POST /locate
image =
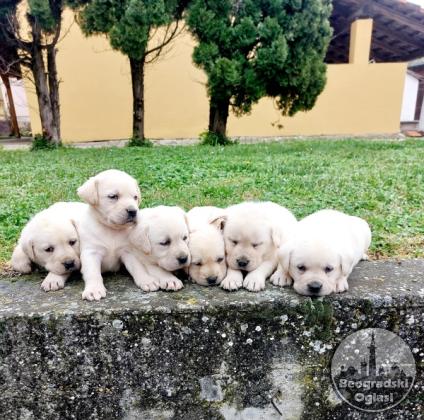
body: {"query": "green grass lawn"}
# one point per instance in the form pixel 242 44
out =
pixel 381 181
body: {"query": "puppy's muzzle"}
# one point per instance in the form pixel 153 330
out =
pixel 243 262
pixel 314 287
pixel 212 280
pixel 182 259
pixel 131 214
pixel 69 265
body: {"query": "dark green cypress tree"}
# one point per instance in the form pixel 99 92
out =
pixel 255 48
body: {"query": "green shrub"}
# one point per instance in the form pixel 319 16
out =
pixel 42 143
pixel 208 138
pixel 138 142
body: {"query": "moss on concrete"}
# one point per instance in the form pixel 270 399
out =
pixel 201 353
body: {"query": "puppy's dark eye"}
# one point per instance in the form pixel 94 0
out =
pixel 165 243
pixel 136 198
pixel 234 242
pixel 220 259
pixel 113 196
pixel 199 263
pixel 185 238
pixel 72 242
pixel 328 269
pixel 49 249
pixel 256 245
pixel 301 267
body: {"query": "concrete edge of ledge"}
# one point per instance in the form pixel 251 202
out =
pixel 378 283
pixel 25 145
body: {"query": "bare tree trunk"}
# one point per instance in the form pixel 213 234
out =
pixel 13 119
pixel 54 91
pixel 42 91
pixel 137 77
pixel 38 68
pixel 218 116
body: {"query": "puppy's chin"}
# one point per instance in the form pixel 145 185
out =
pixel 120 223
pixel 170 267
pixel 199 282
pixel 60 272
pixel 204 282
pixel 305 292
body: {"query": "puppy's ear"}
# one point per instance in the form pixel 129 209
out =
pixel 89 191
pixel 140 238
pixel 276 236
pixel 74 224
pixel 20 260
pixel 138 193
pixel 186 220
pixel 284 255
pixel 346 263
pixel 219 222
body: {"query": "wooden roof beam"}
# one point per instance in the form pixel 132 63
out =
pixel 390 49
pixel 398 35
pixel 393 14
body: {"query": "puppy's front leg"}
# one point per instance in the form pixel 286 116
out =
pixel 139 273
pixel 255 280
pixel 233 280
pixel 280 278
pixel 20 261
pixel 167 281
pixel 342 285
pixel 54 282
pixel 91 269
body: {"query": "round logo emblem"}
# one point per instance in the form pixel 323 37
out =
pixel 373 370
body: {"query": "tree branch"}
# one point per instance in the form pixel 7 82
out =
pixel 167 38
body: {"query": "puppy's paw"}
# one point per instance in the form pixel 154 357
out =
pixel 233 281
pixel 254 282
pixel 171 284
pixel 342 285
pixel 280 279
pixel 148 285
pixel 20 261
pixel 365 257
pixel 52 282
pixel 94 292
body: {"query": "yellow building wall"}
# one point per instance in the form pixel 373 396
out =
pixel 96 102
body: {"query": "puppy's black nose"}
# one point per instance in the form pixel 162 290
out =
pixel 242 262
pixel 212 280
pixel 131 213
pixel 314 287
pixel 182 259
pixel 69 264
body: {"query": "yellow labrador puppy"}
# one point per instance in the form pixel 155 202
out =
pixel 253 232
pixel 323 252
pixel 160 244
pixel 113 197
pixel 207 248
pixel 50 240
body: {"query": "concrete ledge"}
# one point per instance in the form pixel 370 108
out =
pixel 201 353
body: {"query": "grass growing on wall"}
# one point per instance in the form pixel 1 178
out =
pixel 381 181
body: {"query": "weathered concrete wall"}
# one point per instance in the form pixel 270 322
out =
pixel 197 354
